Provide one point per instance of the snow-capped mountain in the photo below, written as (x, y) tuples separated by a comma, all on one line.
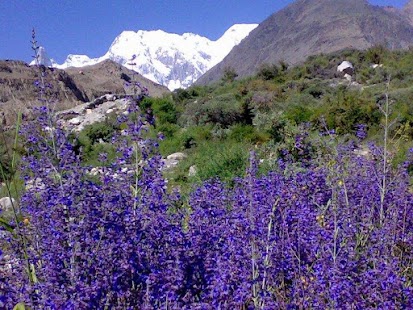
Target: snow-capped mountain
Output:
[(43, 59), (173, 60), (78, 61)]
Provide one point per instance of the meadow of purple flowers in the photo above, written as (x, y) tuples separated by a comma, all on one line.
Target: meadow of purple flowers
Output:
[(323, 234), (334, 232)]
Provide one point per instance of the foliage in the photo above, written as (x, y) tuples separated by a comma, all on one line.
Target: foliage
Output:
[(347, 109), (5, 167), (326, 228), (318, 235), (163, 109), (272, 72), (229, 75), (94, 140), (246, 133), (222, 109)]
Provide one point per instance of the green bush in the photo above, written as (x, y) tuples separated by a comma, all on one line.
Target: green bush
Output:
[(346, 109), (185, 138), (163, 108), (221, 160), (99, 132), (168, 130), (93, 140), (246, 133), (299, 108), (269, 72), (222, 109), (229, 75)]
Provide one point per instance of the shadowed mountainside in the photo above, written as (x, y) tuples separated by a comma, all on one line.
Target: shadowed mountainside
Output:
[(310, 27)]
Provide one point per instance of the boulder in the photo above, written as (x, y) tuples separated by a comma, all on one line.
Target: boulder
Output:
[(346, 67), (75, 121), (7, 203), (348, 77), (168, 164), (177, 156), (171, 161), (192, 171), (110, 97)]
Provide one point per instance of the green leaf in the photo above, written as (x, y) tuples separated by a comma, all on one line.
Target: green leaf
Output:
[(19, 306), (6, 225)]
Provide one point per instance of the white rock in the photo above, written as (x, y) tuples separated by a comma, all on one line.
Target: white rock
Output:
[(96, 171), (75, 121), (109, 111), (348, 77), (110, 97), (177, 156), (345, 65), (192, 171), (363, 152), (169, 164), (7, 203)]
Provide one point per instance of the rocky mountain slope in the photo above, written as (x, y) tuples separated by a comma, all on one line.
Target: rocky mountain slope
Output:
[(68, 88), (169, 59), (309, 27), (408, 11)]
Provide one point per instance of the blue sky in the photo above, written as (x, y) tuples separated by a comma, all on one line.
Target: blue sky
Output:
[(88, 27)]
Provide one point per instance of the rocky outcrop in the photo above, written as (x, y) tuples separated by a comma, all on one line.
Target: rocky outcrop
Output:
[(408, 11), (75, 119), (19, 86), (111, 77)]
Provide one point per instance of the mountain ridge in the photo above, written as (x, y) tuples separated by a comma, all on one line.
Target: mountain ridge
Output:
[(169, 59), (68, 88)]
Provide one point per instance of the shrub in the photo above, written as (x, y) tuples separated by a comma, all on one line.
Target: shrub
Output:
[(222, 161), (163, 109), (246, 133), (229, 75), (268, 72), (184, 139), (222, 109)]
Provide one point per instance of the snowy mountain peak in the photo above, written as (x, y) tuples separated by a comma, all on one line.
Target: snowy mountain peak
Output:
[(79, 61), (173, 60), (42, 58)]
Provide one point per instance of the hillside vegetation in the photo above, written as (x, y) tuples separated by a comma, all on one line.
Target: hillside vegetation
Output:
[(217, 125)]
